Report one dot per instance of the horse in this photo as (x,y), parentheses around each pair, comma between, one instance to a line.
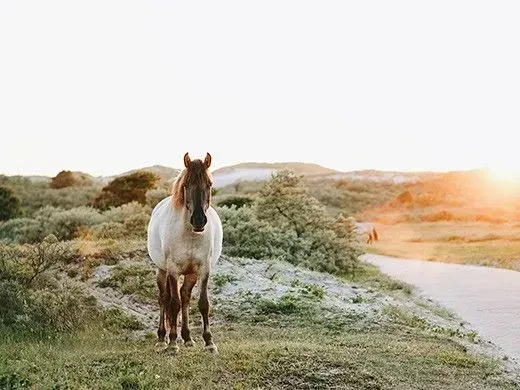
(364,228)
(185,242)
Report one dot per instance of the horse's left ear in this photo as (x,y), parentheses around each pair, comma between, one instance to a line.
(207,160)
(187,160)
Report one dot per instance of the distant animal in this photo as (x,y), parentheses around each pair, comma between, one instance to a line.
(363,229)
(185,242)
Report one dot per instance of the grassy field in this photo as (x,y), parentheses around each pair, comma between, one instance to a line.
(403,356)
(496,245)
(295,341)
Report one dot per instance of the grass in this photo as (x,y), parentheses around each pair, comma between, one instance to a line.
(135,280)
(251,356)
(495,245)
(370,275)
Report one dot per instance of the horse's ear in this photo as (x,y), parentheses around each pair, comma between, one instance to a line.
(187,160)
(207,160)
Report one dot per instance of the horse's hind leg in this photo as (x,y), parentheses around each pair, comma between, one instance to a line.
(204,311)
(187,287)
(164,300)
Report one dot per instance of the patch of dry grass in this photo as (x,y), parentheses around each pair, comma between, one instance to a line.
(495,245)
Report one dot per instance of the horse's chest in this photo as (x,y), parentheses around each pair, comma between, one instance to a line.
(190,256)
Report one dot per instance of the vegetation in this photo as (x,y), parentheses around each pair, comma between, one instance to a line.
(69,179)
(496,245)
(59,251)
(125,189)
(288,224)
(9,204)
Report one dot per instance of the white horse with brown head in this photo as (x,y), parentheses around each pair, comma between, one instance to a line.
(184,242)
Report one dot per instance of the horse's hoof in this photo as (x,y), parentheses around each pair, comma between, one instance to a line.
(211,349)
(174,348)
(161,346)
(189,343)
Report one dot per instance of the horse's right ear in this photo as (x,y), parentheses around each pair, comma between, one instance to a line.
(187,160)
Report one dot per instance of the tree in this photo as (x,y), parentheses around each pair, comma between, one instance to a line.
(321,242)
(125,189)
(63,179)
(9,204)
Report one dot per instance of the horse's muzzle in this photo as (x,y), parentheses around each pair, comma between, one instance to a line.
(198,221)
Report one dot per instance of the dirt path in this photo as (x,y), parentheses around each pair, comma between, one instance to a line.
(488,298)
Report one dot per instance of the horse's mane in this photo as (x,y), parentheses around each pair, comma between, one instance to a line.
(196,174)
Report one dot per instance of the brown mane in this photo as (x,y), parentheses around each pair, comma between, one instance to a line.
(195,174)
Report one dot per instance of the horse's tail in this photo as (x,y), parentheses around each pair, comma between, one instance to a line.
(376,237)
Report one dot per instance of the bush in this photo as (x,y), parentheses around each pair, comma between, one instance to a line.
(35,304)
(246,236)
(154,196)
(125,189)
(133,216)
(238,201)
(65,224)
(69,179)
(286,223)
(63,179)
(109,230)
(405,197)
(21,230)
(9,204)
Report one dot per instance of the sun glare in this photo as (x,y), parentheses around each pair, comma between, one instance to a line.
(505,173)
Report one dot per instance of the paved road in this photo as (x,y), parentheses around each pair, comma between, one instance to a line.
(487,298)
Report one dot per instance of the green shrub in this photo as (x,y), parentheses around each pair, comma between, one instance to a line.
(109,230)
(246,236)
(238,201)
(21,230)
(116,319)
(132,280)
(154,196)
(35,304)
(9,204)
(288,224)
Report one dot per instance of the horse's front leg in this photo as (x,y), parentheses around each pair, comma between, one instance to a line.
(164,301)
(187,286)
(173,309)
(204,311)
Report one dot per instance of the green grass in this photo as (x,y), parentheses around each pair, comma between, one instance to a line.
(370,276)
(251,356)
(135,280)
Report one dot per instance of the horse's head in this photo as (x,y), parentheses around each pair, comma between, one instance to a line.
(197,190)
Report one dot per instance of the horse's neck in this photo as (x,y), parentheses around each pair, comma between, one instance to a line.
(182,218)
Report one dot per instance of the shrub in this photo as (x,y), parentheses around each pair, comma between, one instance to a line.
(22,230)
(154,196)
(238,201)
(288,224)
(69,179)
(9,204)
(133,216)
(405,197)
(109,230)
(125,189)
(39,305)
(65,224)
(246,236)
(321,242)
(63,179)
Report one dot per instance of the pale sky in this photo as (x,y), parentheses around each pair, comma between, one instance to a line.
(107,86)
